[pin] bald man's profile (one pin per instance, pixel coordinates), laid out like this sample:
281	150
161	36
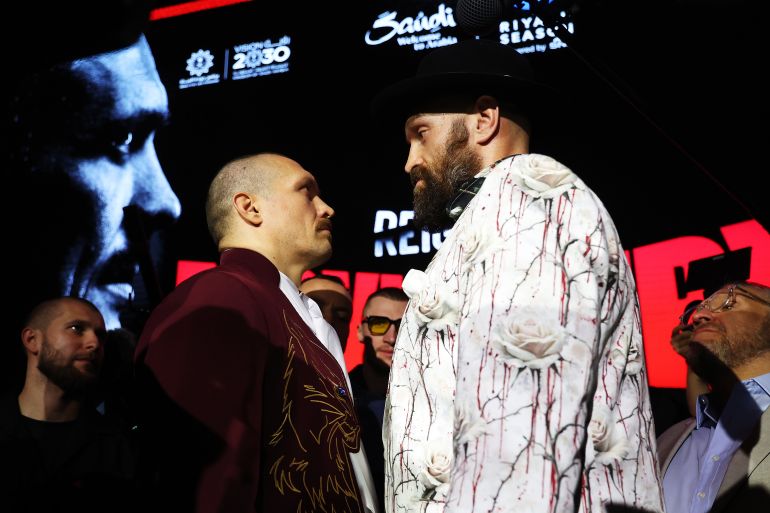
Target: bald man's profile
233	362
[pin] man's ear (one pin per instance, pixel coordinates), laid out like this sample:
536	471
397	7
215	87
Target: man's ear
486	119
360	332
32	339
247	206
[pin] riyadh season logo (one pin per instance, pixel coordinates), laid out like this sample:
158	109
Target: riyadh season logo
530	34
198	66
421	32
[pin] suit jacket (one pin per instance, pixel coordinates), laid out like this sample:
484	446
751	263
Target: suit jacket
746	485
518	380
244	408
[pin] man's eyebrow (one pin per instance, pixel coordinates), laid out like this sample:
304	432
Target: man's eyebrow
753	294
141	123
83	322
146	119
310	182
103	129
414	122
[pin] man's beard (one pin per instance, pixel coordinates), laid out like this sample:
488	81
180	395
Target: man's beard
63	373
370	358
441	181
729	352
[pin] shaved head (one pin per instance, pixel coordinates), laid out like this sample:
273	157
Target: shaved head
252	174
324	282
42	315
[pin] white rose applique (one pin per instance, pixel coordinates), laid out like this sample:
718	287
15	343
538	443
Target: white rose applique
543	177
477	245
468	425
609	439
438	464
434	305
627	356
527	341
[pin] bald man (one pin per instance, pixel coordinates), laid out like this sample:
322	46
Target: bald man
246	407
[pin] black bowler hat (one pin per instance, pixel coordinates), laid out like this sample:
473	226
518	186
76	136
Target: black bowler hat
475	66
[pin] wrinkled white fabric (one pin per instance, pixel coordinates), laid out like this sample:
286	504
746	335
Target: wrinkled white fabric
525	323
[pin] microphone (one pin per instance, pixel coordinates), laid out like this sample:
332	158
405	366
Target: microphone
479	17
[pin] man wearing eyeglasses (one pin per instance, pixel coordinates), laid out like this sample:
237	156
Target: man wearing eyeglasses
518	380
382	315
720	460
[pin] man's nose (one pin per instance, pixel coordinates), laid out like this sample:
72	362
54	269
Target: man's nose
152	192
324	210
702	315
413	159
92	341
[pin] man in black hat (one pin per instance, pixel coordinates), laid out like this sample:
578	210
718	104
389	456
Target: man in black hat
518	380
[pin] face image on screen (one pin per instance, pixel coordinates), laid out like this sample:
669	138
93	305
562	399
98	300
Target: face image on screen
86	161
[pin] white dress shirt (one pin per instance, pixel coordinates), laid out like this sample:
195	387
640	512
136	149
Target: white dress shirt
311	314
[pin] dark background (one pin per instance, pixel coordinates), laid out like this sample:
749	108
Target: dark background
663	114
663	110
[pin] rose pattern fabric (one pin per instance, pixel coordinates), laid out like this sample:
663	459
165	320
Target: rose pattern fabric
437	466
609	440
468	426
520	360
543	177
434	306
476	245
527	342
627	357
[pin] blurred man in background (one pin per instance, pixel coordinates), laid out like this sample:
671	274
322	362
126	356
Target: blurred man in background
334	300
58	452
378	330
718	460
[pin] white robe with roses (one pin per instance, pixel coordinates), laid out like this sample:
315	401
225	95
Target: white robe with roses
518	380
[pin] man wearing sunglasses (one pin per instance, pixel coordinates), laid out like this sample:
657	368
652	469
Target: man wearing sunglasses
728	441
382	316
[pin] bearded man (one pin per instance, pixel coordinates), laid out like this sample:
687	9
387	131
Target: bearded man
718	459
59	454
518	380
